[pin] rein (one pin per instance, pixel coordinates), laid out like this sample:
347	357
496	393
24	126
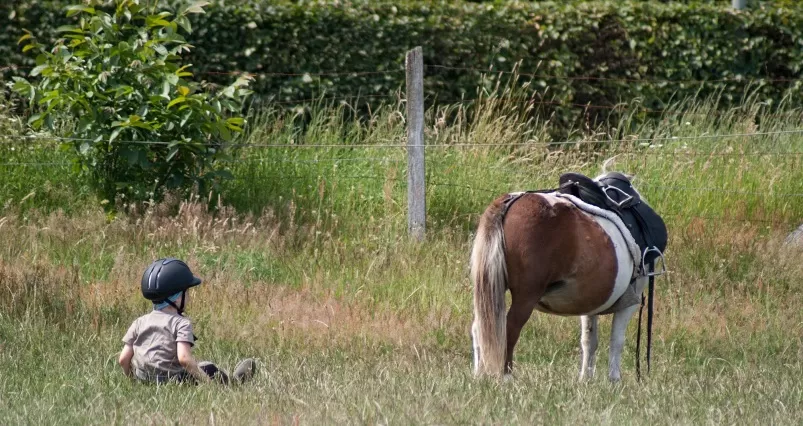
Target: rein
650	296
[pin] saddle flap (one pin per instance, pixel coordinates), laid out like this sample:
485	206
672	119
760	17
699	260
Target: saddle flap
652	229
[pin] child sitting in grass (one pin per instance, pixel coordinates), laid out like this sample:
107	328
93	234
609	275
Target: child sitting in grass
158	345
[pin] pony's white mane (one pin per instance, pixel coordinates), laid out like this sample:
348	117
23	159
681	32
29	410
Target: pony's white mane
605	165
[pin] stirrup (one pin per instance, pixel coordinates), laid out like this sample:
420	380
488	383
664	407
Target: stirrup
644	262
628	197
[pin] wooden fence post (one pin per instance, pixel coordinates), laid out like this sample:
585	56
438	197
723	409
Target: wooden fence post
416	185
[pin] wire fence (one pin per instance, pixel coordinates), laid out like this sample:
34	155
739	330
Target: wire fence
434	184
489	70
261	73
397	144
643	146
623	108
531	99
541	76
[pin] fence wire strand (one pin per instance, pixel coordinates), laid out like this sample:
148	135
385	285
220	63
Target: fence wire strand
736	79
433	146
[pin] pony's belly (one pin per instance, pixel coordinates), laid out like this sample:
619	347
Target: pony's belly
569	298
566	296
624	272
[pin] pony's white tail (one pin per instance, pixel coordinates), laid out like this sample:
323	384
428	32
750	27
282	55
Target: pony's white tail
489	276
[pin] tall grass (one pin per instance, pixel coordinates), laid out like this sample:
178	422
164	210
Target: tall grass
308	267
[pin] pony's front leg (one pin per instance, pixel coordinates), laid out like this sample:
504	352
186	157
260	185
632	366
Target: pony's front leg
618	328
588	345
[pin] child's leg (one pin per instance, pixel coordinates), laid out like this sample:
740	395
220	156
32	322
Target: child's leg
214	372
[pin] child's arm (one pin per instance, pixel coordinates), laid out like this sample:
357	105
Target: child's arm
125	359
187	361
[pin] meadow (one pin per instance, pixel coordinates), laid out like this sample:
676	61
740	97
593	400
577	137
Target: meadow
308	267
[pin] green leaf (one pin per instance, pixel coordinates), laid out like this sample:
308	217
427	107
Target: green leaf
38	70
228	92
180	70
69	29
73	10
197	7
142	125
187	115
160	49
184	23
176	101
25	37
35	120
172	153
115	133
225	133
156	22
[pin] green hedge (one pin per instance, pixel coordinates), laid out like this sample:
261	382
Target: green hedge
650	51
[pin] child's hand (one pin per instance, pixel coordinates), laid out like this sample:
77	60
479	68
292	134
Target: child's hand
187	361
125	359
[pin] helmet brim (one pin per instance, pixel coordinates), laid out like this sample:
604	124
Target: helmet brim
195	281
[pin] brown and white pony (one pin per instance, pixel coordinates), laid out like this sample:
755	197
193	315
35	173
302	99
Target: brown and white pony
553	257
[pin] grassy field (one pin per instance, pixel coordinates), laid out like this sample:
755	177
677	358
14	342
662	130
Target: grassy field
307	267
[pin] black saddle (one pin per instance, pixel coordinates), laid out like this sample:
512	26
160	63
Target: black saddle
614	192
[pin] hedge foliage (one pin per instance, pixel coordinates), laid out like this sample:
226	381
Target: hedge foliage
650	51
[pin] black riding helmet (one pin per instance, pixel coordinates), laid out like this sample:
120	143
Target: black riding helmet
166	277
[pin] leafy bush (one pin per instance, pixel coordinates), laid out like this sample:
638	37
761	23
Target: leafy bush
647	52
138	123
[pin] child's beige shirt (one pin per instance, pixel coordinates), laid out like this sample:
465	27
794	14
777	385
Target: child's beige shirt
154	337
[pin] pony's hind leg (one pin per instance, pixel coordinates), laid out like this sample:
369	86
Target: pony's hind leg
618	328
517	316
588	345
